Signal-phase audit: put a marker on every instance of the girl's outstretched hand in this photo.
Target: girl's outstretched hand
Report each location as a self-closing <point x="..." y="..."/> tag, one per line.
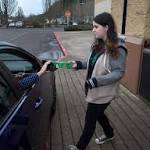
<point x="74" y="65"/>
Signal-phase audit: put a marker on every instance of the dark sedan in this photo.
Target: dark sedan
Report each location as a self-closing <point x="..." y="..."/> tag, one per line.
<point x="24" y="114"/>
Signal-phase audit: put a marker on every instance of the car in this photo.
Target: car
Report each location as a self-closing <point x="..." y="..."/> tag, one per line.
<point x="74" y="24"/>
<point x="12" y="24"/>
<point x="25" y="115"/>
<point x="19" y="24"/>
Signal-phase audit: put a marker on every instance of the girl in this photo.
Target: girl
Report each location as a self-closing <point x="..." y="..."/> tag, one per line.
<point x="105" y="67"/>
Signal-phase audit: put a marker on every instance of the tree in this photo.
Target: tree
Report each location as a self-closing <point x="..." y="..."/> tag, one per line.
<point x="46" y="5"/>
<point x="1" y="16"/>
<point x="8" y="7"/>
<point x="20" y="14"/>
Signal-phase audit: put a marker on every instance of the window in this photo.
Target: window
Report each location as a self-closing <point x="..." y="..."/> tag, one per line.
<point x="82" y="1"/>
<point x="7" y="99"/>
<point x="16" y="63"/>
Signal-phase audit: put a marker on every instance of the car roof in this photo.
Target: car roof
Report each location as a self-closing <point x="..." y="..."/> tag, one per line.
<point x="4" y="43"/>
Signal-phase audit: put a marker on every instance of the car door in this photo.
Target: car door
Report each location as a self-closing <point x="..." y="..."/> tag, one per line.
<point x="23" y="115"/>
<point x="13" y="114"/>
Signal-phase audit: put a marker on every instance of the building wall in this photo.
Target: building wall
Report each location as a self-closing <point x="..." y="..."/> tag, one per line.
<point x="102" y="6"/>
<point x="138" y="17"/>
<point x="136" y="14"/>
<point x="147" y="20"/>
<point x="81" y="12"/>
<point x="86" y="10"/>
<point x="117" y="12"/>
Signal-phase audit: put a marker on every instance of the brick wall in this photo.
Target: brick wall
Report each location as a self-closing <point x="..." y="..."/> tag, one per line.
<point x="135" y="18"/>
<point x="138" y="17"/>
<point x="101" y="6"/>
<point x="82" y="11"/>
<point x="117" y="12"/>
<point x="147" y="20"/>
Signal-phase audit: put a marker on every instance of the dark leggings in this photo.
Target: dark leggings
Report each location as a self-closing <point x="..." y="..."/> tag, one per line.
<point x="95" y="112"/>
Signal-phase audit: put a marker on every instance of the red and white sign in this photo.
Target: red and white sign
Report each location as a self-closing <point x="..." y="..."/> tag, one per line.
<point x="68" y="13"/>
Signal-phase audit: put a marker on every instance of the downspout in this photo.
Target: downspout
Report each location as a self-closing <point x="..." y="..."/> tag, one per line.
<point x="124" y="17"/>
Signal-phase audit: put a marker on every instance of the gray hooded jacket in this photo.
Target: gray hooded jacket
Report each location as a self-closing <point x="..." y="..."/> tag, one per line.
<point x="107" y="72"/>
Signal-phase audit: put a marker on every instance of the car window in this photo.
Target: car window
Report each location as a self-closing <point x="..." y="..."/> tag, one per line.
<point x="16" y="63"/>
<point x="7" y="99"/>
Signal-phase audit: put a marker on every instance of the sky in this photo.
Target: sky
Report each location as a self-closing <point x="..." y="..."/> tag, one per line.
<point x="31" y="6"/>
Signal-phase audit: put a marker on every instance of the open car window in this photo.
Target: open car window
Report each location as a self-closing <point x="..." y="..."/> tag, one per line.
<point x="19" y="60"/>
<point x="16" y="63"/>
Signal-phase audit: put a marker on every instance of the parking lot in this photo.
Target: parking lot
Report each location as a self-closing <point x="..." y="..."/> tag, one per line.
<point x="40" y="42"/>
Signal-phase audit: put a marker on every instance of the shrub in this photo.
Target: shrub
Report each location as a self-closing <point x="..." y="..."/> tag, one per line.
<point x="78" y="27"/>
<point x="37" y="24"/>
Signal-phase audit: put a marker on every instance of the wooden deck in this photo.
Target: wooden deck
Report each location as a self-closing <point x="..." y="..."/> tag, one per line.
<point x="129" y="115"/>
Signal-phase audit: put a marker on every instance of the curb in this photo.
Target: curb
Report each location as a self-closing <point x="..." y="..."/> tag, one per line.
<point x="64" y="50"/>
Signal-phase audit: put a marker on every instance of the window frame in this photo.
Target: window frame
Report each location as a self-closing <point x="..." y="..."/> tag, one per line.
<point x="22" y="53"/>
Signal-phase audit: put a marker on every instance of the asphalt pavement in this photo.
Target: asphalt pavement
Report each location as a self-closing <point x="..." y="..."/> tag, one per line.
<point x="40" y="42"/>
<point x="76" y="44"/>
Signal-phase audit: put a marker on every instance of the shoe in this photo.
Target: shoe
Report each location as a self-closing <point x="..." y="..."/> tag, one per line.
<point x="102" y="139"/>
<point x="72" y="147"/>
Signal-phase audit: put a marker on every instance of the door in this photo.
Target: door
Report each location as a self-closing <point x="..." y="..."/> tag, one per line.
<point x="26" y="116"/>
<point x="13" y="120"/>
<point x="16" y="106"/>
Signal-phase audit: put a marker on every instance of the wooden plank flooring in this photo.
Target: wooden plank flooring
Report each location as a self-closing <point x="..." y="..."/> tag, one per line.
<point x="129" y="116"/>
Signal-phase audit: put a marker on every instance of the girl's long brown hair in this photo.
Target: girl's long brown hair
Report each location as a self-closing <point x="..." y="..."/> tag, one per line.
<point x="111" y="44"/>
